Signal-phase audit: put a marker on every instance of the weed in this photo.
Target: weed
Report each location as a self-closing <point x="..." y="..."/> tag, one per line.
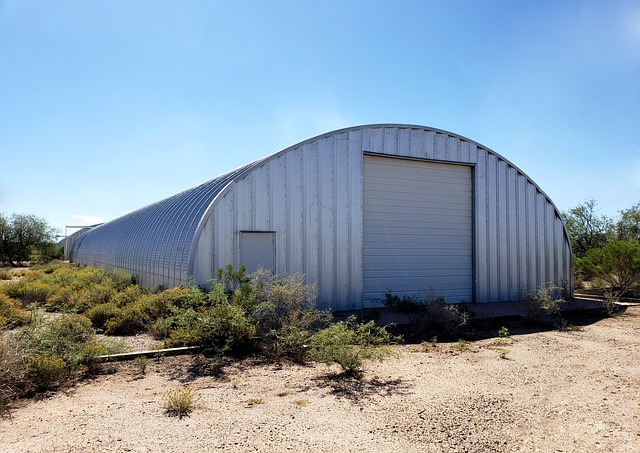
<point x="546" y="300"/>
<point x="500" y="341"/>
<point x="503" y="332"/>
<point x="179" y="402"/>
<point x="140" y="364"/>
<point x="564" y="326"/>
<point x="301" y="402"/>
<point x="6" y="274"/>
<point x="461" y="346"/>
<point x="254" y="401"/>
<point x="503" y="354"/>
<point x="611" y="308"/>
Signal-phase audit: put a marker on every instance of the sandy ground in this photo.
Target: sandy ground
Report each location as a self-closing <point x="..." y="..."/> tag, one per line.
<point x="555" y="391"/>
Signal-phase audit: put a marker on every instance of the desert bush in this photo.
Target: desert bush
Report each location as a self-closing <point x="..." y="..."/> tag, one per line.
<point x="81" y="300"/>
<point x="13" y="369"/>
<point x="434" y="317"/>
<point x="617" y="263"/>
<point x="179" y="402"/>
<point x="120" y="279"/>
<point x="181" y="297"/>
<point x="140" y="315"/>
<point x="100" y="314"/>
<point x="129" y="322"/>
<point x="444" y="319"/>
<point x="218" y="329"/>
<point x="61" y="300"/>
<point x="349" y="344"/>
<point x="65" y="337"/>
<point x="11" y="313"/>
<point x="129" y="295"/>
<point x="284" y="311"/>
<point x="46" y="371"/>
<point x="6" y="274"/>
<point x="546" y="300"/>
<point x="70" y="338"/>
<point x="404" y="304"/>
<point x="29" y="292"/>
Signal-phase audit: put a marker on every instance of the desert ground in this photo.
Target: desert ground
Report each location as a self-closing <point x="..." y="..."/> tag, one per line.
<point x="575" y="389"/>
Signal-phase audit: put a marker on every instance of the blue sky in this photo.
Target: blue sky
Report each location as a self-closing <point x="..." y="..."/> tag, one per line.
<point x="106" y="107"/>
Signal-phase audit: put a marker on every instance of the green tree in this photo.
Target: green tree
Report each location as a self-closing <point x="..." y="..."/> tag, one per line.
<point x="587" y="230"/>
<point x="617" y="263"/>
<point x="628" y="226"/>
<point x="23" y="235"/>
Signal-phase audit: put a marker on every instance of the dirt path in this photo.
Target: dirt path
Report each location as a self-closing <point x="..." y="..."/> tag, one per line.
<point x="554" y="391"/>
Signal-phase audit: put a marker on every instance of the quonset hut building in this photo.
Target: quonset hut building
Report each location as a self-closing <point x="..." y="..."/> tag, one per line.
<point x="360" y="211"/>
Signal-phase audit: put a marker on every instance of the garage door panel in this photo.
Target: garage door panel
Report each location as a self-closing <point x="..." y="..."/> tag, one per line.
<point x="417" y="230"/>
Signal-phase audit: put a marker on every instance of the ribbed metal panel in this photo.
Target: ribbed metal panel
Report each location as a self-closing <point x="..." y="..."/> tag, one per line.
<point x="417" y="230"/>
<point x="312" y="195"/>
<point x="154" y="243"/>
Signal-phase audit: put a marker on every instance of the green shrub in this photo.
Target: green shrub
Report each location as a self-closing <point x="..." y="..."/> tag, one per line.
<point x="140" y="315"/>
<point x="46" y="371"/>
<point x="183" y="297"/>
<point x="29" y="292"/>
<point x="13" y="369"/>
<point x="120" y="280"/>
<point x="430" y="318"/>
<point x="102" y="313"/>
<point x="405" y="304"/>
<point x="178" y="402"/>
<point x="11" y="313"/>
<point x="6" y="274"/>
<point x="218" y="329"/>
<point x="129" y="295"/>
<point x="285" y="314"/>
<point x="65" y="337"/>
<point x="350" y="344"/>
<point x="61" y="300"/>
<point x="128" y="322"/>
<point x="546" y="300"/>
<point x="617" y="263"/>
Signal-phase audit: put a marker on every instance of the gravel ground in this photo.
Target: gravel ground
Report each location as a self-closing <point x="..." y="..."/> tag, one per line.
<point x="560" y="391"/>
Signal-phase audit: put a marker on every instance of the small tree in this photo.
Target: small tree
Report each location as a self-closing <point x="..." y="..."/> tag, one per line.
<point x="617" y="263"/>
<point x="628" y="226"/>
<point x="587" y="229"/>
<point x="22" y="236"/>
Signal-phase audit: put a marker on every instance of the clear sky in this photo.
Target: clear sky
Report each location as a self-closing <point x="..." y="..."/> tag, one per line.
<point x="107" y="106"/>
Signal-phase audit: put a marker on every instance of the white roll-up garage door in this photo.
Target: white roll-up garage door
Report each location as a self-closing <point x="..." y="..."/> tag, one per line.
<point x="417" y="230"/>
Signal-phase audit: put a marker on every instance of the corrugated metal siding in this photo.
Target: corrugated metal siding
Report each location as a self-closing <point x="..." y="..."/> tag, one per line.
<point x="417" y="230"/>
<point x="155" y="243"/>
<point x="311" y="195"/>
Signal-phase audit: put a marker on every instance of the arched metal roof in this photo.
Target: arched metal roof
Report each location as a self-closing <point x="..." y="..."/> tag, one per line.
<point x="159" y="239"/>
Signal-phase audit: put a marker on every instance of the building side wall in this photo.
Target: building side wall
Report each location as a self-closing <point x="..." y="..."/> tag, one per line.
<point x="311" y="196"/>
<point x="520" y="241"/>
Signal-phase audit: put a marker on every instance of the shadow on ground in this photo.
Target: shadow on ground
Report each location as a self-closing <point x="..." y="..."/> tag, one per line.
<point x="358" y="388"/>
